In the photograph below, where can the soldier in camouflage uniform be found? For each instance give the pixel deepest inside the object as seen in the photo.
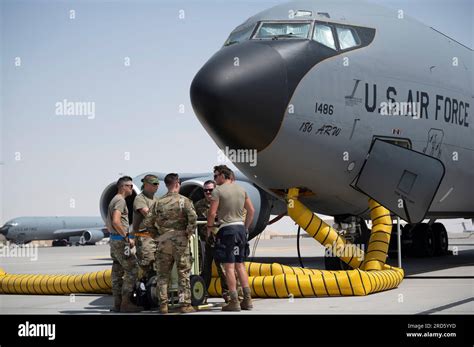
(173, 217)
(145, 240)
(124, 266)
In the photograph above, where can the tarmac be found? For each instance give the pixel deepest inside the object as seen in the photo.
(437, 285)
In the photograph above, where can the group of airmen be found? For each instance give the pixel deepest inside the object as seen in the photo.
(160, 234)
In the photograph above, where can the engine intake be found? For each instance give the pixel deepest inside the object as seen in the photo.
(91, 236)
(192, 188)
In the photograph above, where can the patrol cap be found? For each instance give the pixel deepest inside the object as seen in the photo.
(152, 179)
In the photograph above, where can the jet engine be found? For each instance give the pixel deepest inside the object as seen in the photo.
(191, 187)
(91, 236)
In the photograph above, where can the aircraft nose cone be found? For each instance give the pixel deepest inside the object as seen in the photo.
(240, 95)
(4, 230)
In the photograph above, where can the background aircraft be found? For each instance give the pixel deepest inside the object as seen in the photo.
(63, 230)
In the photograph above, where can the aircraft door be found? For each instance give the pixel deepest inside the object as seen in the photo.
(403, 180)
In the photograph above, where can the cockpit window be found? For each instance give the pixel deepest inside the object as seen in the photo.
(283, 30)
(239, 35)
(347, 37)
(323, 35)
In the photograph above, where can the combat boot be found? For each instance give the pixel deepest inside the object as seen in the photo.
(128, 307)
(233, 305)
(187, 309)
(226, 298)
(246, 303)
(117, 303)
(164, 308)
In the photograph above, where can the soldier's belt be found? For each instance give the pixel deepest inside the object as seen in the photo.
(117, 237)
(169, 234)
(143, 234)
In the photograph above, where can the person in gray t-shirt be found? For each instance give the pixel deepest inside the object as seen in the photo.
(231, 199)
(228, 201)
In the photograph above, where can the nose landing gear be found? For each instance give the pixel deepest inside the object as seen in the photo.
(418, 240)
(422, 240)
(354, 229)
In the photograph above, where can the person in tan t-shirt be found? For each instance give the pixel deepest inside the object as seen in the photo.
(229, 201)
(124, 266)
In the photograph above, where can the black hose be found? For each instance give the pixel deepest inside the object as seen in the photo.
(298, 247)
(254, 248)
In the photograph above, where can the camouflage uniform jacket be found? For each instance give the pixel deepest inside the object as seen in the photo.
(172, 212)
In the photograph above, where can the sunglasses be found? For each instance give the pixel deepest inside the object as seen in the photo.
(208, 190)
(215, 176)
(155, 184)
(129, 185)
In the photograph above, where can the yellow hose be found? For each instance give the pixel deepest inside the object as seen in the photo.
(321, 283)
(322, 232)
(370, 274)
(98, 282)
(379, 237)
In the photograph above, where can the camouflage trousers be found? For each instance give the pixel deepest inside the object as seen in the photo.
(146, 248)
(168, 252)
(124, 268)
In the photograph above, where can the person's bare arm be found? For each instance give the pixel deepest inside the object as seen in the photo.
(144, 211)
(250, 212)
(140, 206)
(211, 216)
(117, 225)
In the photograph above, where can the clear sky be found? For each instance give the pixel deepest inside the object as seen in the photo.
(48, 159)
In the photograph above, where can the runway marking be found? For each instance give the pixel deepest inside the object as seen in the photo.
(445, 307)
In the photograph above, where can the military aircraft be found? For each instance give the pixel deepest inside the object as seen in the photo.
(63, 230)
(344, 100)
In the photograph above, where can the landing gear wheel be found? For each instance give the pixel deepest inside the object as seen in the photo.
(361, 241)
(198, 290)
(153, 300)
(60, 243)
(423, 241)
(335, 264)
(440, 239)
